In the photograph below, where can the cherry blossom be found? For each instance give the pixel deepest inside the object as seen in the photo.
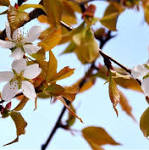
(19, 80)
(141, 72)
(19, 44)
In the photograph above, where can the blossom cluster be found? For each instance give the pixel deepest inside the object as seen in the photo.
(20, 78)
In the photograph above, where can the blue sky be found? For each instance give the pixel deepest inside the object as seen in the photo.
(130, 48)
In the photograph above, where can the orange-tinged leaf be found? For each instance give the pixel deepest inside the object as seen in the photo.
(43, 19)
(144, 122)
(51, 40)
(4, 2)
(52, 67)
(98, 136)
(125, 105)
(87, 85)
(20, 124)
(64, 73)
(113, 93)
(16, 18)
(69, 108)
(21, 105)
(54, 11)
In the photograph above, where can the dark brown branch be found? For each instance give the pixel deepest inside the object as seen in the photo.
(116, 62)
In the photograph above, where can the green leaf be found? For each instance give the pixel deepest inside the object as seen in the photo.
(20, 124)
(144, 122)
(54, 90)
(71, 119)
(70, 48)
(87, 48)
(97, 136)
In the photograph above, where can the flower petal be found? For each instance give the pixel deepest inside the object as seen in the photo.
(9, 90)
(17, 53)
(8, 31)
(19, 65)
(16, 34)
(28, 90)
(6, 44)
(33, 34)
(145, 86)
(6, 76)
(32, 71)
(138, 72)
(31, 49)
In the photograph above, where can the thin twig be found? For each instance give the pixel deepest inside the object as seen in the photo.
(116, 62)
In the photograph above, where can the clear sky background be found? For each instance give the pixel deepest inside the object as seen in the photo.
(130, 48)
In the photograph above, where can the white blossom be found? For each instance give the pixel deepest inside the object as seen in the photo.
(19, 44)
(141, 72)
(19, 80)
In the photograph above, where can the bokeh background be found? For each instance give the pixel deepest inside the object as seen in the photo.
(129, 47)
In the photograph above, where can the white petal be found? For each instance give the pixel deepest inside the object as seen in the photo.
(31, 49)
(32, 71)
(8, 31)
(9, 91)
(7, 44)
(28, 90)
(6, 76)
(33, 34)
(16, 34)
(145, 86)
(17, 53)
(139, 71)
(19, 65)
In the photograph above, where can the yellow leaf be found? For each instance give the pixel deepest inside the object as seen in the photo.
(97, 136)
(113, 93)
(144, 122)
(51, 40)
(16, 18)
(27, 6)
(4, 2)
(54, 11)
(52, 67)
(125, 105)
(111, 14)
(68, 15)
(110, 21)
(20, 124)
(146, 13)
